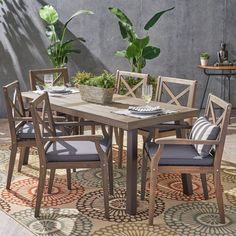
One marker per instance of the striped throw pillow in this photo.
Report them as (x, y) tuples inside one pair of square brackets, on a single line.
[(204, 130)]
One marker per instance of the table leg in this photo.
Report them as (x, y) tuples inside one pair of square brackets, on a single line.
[(204, 94), (187, 184), (131, 185), (186, 178)]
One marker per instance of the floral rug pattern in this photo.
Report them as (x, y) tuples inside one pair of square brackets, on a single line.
[(80, 211)]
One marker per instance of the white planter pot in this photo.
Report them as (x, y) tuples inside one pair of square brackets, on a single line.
[(204, 62)]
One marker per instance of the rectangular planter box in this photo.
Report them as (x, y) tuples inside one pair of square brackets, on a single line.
[(96, 94)]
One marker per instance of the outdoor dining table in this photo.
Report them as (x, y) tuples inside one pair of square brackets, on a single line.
[(73, 105)]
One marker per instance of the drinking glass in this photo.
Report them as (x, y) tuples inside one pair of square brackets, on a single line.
[(48, 81), (147, 93)]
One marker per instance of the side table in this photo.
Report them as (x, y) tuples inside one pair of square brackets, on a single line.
[(225, 71)]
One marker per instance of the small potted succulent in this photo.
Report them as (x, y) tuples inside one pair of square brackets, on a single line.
[(97, 89), (204, 57)]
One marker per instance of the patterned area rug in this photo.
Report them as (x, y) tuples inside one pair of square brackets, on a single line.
[(80, 211)]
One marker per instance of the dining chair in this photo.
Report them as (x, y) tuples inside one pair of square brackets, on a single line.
[(200, 154), (176, 91), (60, 75), (68, 152), (20, 126), (127, 84)]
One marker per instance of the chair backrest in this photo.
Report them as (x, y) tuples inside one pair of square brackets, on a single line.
[(15, 107), (217, 105), (42, 117), (128, 83), (184, 95), (60, 76)]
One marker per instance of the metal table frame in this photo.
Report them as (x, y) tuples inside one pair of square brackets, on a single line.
[(225, 71)]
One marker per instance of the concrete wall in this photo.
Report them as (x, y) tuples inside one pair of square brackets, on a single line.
[(192, 27)]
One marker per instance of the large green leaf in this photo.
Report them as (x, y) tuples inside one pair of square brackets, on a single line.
[(141, 43), (121, 53), (76, 14), (127, 31), (155, 18), (132, 51), (120, 15), (48, 14), (150, 52)]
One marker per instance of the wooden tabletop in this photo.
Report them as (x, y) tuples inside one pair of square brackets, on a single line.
[(218, 67), (72, 104)]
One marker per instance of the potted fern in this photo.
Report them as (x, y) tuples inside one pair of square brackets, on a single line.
[(97, 89)]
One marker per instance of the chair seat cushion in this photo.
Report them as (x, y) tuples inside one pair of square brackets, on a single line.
[(27, 131), (161, 128), (179, 155), (74, 151)]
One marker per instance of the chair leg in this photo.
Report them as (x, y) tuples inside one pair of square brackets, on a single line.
[(120, 147), (11, 165), (110, 171), (204, 185), (93, 130), (153, 187), (68, 173), (219, 196), (105, 187), (42, 177), (24, 157), (144, 174), (51, 179)]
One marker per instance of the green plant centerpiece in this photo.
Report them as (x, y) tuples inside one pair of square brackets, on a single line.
[(139, 49), (97, 89), (59, 48)]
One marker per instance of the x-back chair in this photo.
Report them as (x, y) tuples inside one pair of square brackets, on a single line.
[(60, 75), (123, 87), (193, 155), (68, 152), (176, 91), (20, 125)]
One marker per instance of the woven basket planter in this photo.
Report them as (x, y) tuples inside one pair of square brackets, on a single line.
[(96, 94)]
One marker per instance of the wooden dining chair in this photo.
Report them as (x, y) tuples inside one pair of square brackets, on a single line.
[(60, 75), (176, 91), (127, 84), (20, 126), (200, 154), (68, 152)]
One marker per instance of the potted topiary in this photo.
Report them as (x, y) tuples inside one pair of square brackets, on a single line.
[(97, 89), (204, 57)]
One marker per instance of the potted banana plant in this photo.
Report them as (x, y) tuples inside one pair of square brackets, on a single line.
[(59, 48), (139, 49)]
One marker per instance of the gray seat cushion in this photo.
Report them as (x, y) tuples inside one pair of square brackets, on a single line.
[(74, 151), (179, 155), (27, 131), (162, 129)]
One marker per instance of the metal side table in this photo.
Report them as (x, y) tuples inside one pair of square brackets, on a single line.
[(225, 71)]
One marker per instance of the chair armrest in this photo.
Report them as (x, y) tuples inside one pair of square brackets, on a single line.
[(60, 118), (183, 141), (25, 118), (74, 138)]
